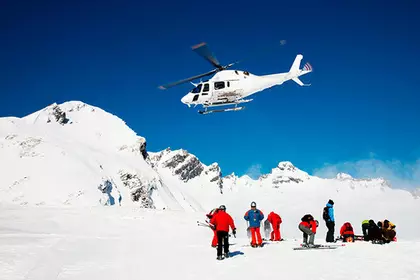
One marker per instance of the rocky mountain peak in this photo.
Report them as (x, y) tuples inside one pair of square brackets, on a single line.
[(286, 166), (186, 166), (343, 176)]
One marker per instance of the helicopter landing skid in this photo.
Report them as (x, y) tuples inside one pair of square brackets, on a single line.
[(205, 112)]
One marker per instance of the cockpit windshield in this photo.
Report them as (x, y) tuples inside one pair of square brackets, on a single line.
[(197, 89)]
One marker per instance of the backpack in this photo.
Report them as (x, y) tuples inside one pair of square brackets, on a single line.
[(325, 214)]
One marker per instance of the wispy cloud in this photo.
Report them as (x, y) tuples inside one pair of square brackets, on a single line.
[(254, 171), (399, 174)]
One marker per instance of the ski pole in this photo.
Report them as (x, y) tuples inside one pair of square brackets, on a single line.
[(202, 224)]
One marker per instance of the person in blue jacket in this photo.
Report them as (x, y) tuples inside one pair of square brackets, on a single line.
[(328, 216), (254, 216)]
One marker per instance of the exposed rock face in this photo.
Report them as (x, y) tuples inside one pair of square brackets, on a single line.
[(182, 163), (27, 146), (187, 166), (57, 115), (139, 147), (215, 174), (107, 189), (140, 190)]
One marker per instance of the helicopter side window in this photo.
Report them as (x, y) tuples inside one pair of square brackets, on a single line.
[(228, 84), (197, 89), (206, 88), (219, 85)]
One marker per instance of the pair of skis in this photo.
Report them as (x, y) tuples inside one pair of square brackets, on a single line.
[(318, 247)]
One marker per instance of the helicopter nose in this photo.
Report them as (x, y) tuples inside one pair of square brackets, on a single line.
[(185, 99)]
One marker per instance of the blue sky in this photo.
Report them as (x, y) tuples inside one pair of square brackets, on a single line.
[(362, 105)]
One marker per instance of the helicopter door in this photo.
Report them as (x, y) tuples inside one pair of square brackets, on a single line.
[(206, 89), (205, 95)]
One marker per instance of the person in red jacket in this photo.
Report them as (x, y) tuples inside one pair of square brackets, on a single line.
[(347, 232), (308, 226), (221, 223), (210, 216), (275, 221)]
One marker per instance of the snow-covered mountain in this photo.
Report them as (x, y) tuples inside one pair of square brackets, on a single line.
[(74, 154), (77, 154)]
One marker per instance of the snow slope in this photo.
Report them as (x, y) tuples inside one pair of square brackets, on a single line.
[(41, 243)]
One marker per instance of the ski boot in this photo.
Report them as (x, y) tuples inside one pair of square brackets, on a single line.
[(304, 244), (227, 255), (219, 258)]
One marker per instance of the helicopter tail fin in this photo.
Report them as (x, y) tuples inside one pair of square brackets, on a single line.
[(296, 72), (296, 64)]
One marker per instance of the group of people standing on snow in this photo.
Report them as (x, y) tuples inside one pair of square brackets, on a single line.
[(220, 221)]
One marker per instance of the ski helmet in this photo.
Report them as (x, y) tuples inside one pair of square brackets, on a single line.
[(222, 207), (253, 204)]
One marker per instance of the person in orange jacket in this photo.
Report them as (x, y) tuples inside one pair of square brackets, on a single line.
[(275, 221), (347, 232), (221, 223), (308, 226), (210, 216)]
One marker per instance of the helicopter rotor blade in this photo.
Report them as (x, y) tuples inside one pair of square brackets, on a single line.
[(231, 64), (204, 51), (188, 79)]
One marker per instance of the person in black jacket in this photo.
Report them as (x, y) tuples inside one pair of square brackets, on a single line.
[(328, 216)]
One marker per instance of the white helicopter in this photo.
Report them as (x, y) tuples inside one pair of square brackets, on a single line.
[(231, 87)]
